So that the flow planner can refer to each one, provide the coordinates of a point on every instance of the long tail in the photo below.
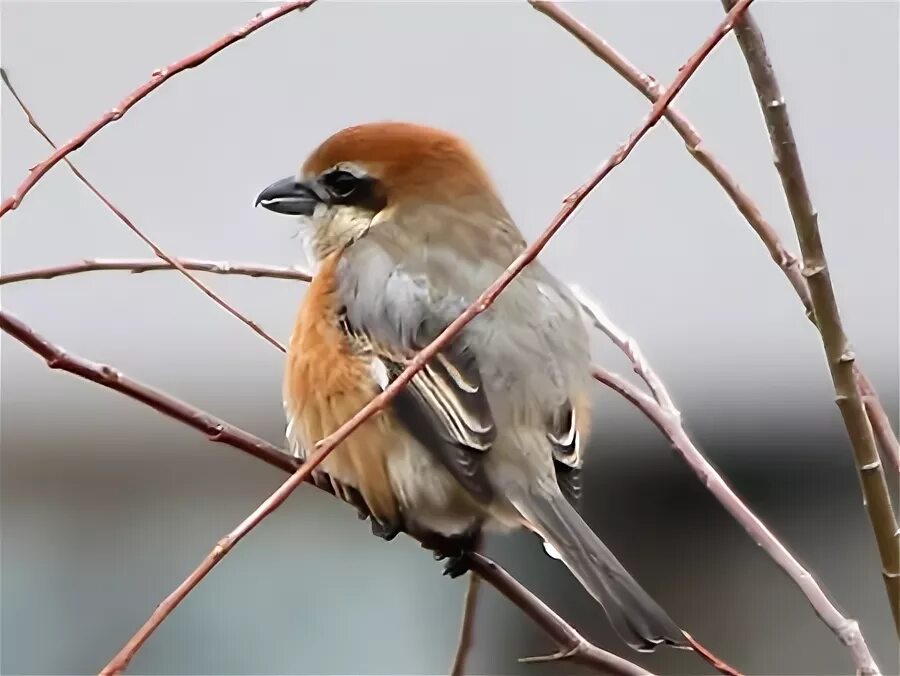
(636, 617)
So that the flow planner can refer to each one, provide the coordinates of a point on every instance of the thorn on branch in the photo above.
(553, 657)
(813, 270)
(847, 356)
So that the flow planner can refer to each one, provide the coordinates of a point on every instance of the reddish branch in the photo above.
(380, 402)
(648, 86)
(216, 429)
(838, 351)
(158, 78)
(138, 265)
(137, 231)
(219, 431)
(573, 646)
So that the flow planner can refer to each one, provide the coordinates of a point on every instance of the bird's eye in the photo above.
(340, 183)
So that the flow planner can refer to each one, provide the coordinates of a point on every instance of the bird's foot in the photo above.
(456, 565)
(455, 550)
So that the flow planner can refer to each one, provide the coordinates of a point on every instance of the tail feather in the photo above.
(635, 616)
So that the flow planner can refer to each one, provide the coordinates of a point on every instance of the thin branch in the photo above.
(838, 352)
(716, 662)
(214, 428)
(378, 403)
(219, 431)
(158, 77)
(137, 231)
(847, 630)
(878, 418)
(467, 624)
(573, 646)
(629, 347)
(666, 416)
(652, 90)
(138, 265)
(648, 86)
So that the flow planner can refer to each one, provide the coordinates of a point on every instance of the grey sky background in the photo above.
(99, 492)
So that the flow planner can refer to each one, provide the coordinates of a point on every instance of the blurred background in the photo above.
(106, 505)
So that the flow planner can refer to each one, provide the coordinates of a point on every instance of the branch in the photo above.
(786, 261)
(663, 413)
(847, 630)
(467, 624)
(838, 352)
(668, 422)
(219, 431)
(878, 418)
(629, 347)
(159, 76)
(137, 231)
(138, 265)
(652, 90)
(573, 646)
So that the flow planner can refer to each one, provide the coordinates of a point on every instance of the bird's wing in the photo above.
(402, 286)
(565, 440)
(444, 406)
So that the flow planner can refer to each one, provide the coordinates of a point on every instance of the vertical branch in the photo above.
(467, 623)
(838, 352)
(467, 626)
(878, 418)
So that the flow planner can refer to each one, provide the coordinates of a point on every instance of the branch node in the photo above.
(221, 547)
(57, 360)
(109, 373)
(869, 466)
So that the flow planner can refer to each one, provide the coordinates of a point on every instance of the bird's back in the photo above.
(404, 287)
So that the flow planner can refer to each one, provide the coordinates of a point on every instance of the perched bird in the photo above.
(406, 229)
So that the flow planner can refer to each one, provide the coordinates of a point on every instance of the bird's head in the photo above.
(365, 175)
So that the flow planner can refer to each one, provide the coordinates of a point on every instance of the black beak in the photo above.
(289, 196)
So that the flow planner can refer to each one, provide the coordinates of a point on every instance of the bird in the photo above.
(406, 228)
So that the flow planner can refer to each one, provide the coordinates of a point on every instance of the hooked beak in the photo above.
(289, 196)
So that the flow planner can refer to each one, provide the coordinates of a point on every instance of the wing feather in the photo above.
(565, 439)
(444, 407)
